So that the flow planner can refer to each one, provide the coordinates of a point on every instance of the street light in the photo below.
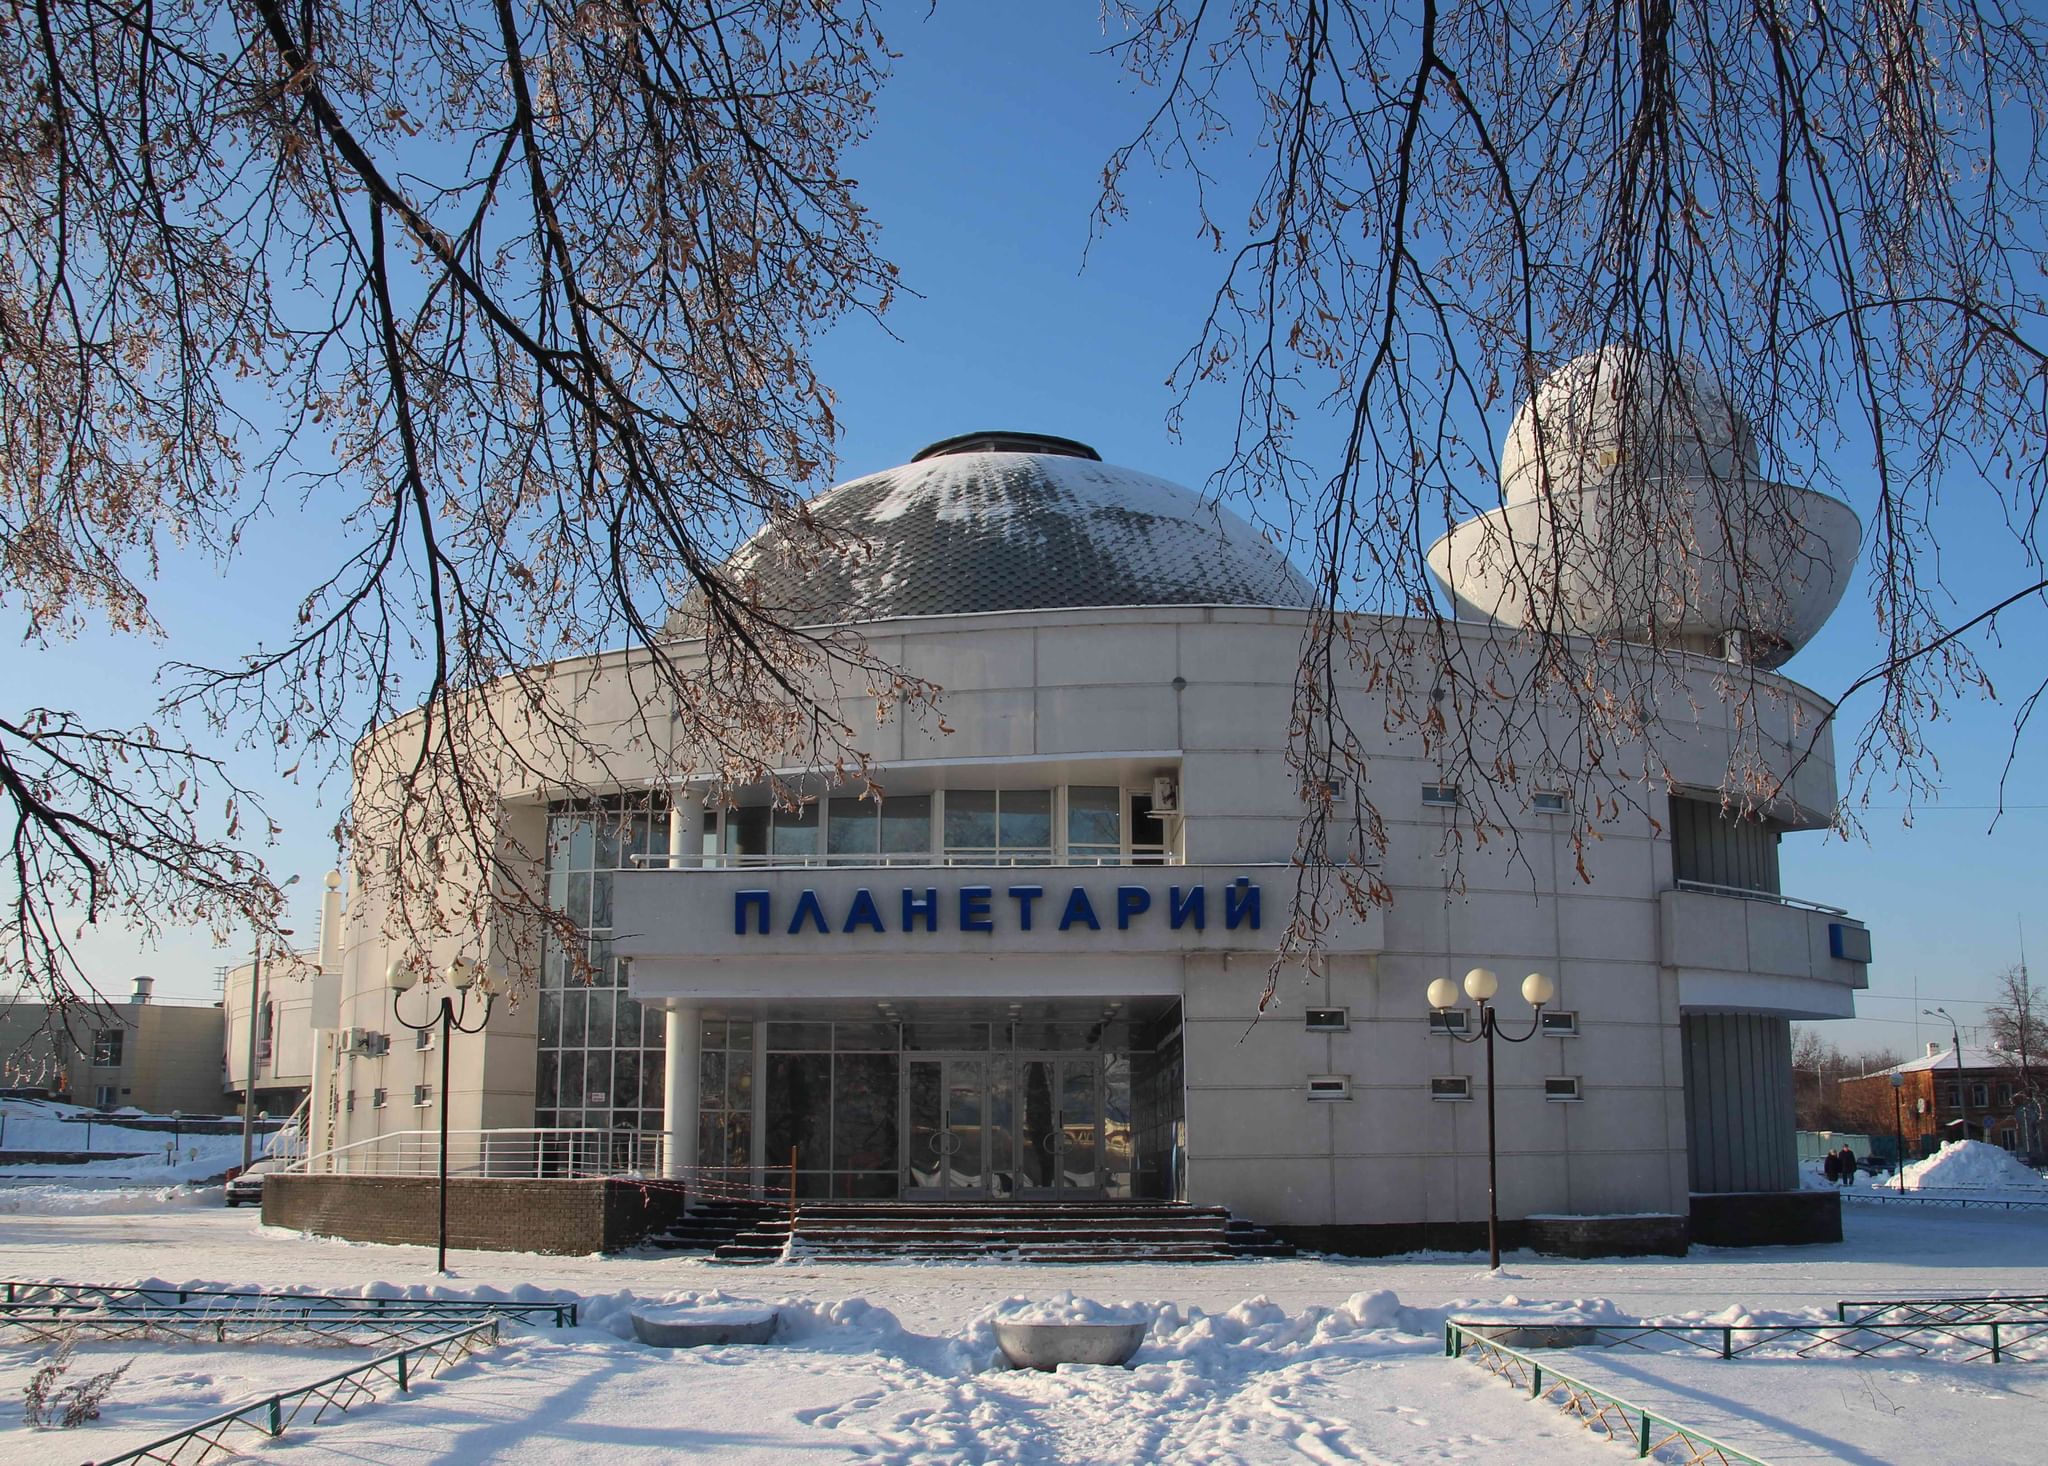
(177, 1134)
(460, 976)
(1962, 1092)
(1480, 986)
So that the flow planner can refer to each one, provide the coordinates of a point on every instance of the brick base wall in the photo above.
(1765, 1218)
(560, 1217)
(1644, 1236)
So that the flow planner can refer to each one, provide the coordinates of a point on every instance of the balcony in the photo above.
(1757, 951)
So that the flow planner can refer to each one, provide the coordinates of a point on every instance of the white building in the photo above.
(1033, 971)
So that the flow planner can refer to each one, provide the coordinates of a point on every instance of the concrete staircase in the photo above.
(1114, 1231)
(707, 1226)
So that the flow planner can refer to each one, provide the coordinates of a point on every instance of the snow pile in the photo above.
(1065, 1308)
(132, 1154)
(67, 1196)
(1972, 1165)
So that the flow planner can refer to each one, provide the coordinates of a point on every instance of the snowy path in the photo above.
(1305, 1377)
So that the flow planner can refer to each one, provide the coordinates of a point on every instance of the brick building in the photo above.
(1986, 1099)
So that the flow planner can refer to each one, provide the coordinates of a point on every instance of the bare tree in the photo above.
(519, 298)
(1755, 222)
(2018, 1020)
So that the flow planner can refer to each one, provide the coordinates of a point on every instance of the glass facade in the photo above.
(599, 1062)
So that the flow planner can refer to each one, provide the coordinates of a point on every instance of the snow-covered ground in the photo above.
(154, 1157)
(1322, 1360)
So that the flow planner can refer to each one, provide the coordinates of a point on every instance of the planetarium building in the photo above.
(1032, 972)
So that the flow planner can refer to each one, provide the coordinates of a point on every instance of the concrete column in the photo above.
(679, 1089)
(757, 1148)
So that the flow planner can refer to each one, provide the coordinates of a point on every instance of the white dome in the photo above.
(1633, 506)
(1012, 521)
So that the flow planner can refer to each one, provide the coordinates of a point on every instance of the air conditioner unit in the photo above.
(1165, 794)
(367, 1042)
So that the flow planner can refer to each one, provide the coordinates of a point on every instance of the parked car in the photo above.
(248, 1185)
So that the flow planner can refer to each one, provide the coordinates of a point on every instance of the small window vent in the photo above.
(1327, 1020)
(1449, 1020)
(1329, 1086)
(1561, 1023)
(1549, 801)
(1562, 1089)
(422, 1095)
(1450, 1087)
(1442, 796)
(377, 1099)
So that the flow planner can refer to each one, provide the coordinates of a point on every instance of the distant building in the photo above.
(295, 995)
(1985, 1099)
(144, 1054)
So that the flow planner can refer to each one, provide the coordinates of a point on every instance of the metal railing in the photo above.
(270, 1416)
(957, 856)
(1643, 1430)
(1943, 1198)
(2004, 1338)
(560, 1154)
(1745, 893)
(32, 1293)
(1953, 1309)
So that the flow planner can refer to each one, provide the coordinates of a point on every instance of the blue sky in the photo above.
(982, 170)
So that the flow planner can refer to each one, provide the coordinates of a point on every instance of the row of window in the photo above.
(1980, 1096)
(972, 826)
(422, 1096)
(1558, 1088)
(1541, 801)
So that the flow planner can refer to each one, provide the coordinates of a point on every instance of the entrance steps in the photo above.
(894, 1231)
(707, 1226)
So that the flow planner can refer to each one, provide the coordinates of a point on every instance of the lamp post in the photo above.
(1480, 986)
(1962, 1092)
(177, 1134)
(460, 976)
(1898, 1134)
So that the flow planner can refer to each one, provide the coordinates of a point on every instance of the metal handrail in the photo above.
(271, 1415)
(1746, 893)
(1909, 1198)
(570, 1152)
(1037, 855)
(1592, 1406)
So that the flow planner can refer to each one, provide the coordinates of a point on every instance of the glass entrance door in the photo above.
(1059, 1130)
(946, 1130)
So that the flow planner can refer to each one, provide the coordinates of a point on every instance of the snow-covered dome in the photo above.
(1001, 521)
(1633, 505)
(1619, 411)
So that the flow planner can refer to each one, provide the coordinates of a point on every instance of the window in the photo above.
(2004, 1095)
(1095, 833)
(861, 831)
(1450, 1087)
(377, 1097)
(1562, 1089)
(1441, 796)
(1329, 1086)
(106, 1096)
(1549, 801)
(422, 1095)
(2010, 1139)
(423, 1038)
(999, 826)
(106, 1049)
(1560, 1023)
(349, 1106)
(1949, 1095)
(1980, 1095)
(1449, 1020)
(1327, 1020)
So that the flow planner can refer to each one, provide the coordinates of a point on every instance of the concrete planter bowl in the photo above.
(1049, 1345)
(692, 1328)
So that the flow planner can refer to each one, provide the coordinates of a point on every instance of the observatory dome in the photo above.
(1633, 506)
(1003, 521)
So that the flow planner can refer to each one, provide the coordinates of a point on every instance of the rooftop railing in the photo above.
(1745, 893)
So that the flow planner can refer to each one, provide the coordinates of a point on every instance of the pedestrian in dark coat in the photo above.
(1845, 1162)
(1831, 1167)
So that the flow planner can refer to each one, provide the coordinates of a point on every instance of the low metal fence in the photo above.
(1957, 1308)
(2016, 1339)
(1600, 1410)
(43, 1292)
(270, 1416)
(1954, 1199)
(219, 1326)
